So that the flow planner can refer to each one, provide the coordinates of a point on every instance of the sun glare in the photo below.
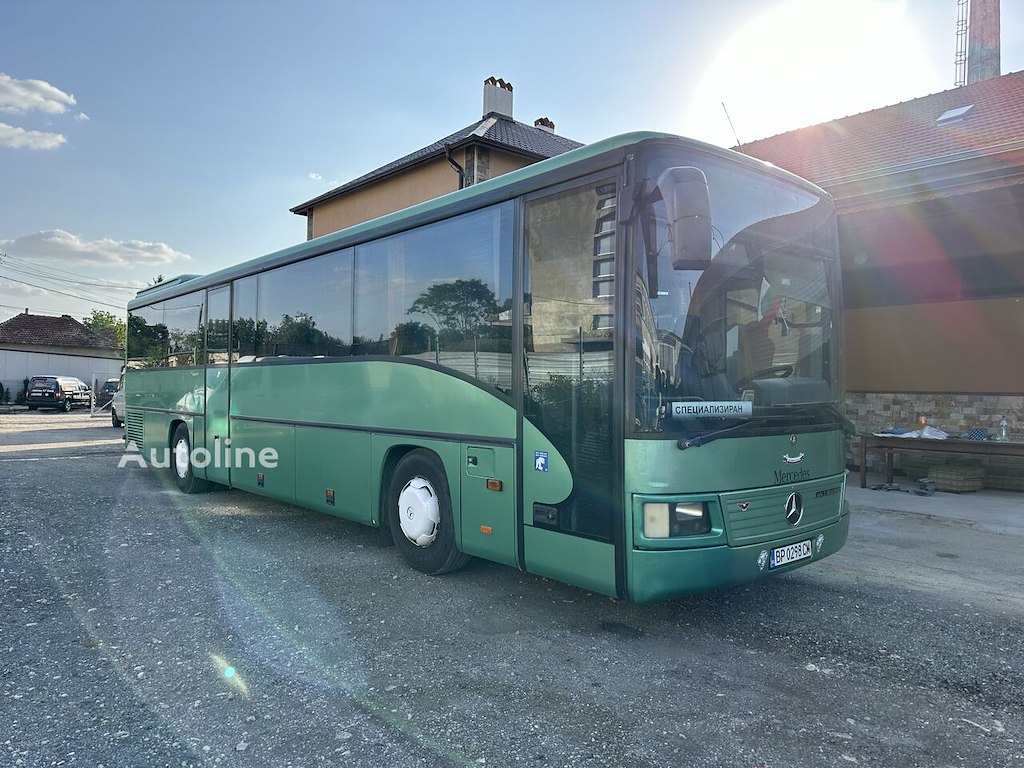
(804, 62)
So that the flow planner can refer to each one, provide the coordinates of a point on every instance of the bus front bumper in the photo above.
(664, 574)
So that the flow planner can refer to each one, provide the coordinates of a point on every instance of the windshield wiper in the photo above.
(704, 439)
(808, 411)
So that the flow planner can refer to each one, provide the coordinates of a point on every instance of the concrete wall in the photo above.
(425, 182)
(503, 163)
(417, 185)
(16, 366)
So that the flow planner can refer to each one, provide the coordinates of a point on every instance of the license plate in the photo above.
(790, 553)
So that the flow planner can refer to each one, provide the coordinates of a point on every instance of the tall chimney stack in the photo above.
(983, 41)
(497, 97)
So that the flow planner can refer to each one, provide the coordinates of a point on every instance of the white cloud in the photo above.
(19, 138)
(20, 96)
(81, 117)
(18, 290)
(57, 245)
(316, 176)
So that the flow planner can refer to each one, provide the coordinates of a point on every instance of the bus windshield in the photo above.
(750, 334)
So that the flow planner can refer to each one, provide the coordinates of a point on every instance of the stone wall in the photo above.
(952, 413)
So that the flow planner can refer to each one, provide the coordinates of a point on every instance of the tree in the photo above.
(106, 324)
(150, 343)
(299, 336)
(412, 338)
(461, 308)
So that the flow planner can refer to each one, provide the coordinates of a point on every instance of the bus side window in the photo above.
(441, 294)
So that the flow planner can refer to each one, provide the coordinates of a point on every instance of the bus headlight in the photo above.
(663, 521)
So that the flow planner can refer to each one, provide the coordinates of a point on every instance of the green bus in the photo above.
(617, 368)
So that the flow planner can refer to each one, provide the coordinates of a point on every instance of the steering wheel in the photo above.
(772, 372)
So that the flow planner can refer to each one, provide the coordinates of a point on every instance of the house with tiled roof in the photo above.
(32, 345)
(493, 145)
(930, 202)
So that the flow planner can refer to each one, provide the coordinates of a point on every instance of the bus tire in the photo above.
(419, 514)
(181, 463)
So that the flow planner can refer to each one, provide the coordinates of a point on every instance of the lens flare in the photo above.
(229, 674)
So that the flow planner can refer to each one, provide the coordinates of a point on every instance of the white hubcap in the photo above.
(181, 458)
(419, 512)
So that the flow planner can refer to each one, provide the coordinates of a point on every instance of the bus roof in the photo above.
(488, 192)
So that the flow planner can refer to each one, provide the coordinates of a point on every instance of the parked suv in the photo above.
(106, 392)
(61, 392)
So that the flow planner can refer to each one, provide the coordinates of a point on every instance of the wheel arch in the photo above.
(172, 427)
(448, 456)
(387, 469)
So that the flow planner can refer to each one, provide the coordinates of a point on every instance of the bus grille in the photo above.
(760, 515)
(133, 428)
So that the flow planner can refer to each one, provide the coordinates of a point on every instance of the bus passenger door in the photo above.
(218, 306)
(570, 486)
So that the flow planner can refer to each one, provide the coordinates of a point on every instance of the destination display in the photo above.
(702, 409)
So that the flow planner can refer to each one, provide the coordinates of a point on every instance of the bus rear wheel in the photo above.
(419, 514)
(181, 463)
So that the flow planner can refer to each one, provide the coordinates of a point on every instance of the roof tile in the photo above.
(902, 133)
(503, 131)
(43, 330)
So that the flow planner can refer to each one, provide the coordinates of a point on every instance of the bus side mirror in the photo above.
(687, 202)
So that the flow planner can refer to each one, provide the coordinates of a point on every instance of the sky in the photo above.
(162, 138)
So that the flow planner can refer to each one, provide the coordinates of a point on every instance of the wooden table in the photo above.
(950, 445)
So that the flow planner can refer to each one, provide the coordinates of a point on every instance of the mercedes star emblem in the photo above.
(794, 508)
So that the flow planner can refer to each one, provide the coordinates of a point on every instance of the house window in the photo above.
(604, 243)
(604, 289)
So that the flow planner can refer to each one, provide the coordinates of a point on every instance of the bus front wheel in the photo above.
(419, 514)
(181, 463)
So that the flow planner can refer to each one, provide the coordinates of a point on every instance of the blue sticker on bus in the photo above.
(540, 461)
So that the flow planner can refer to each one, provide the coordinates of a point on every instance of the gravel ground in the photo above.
(141, 627)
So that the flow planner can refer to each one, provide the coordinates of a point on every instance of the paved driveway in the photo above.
(140, 627)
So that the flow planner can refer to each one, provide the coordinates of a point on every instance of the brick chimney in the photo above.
(497, 97)
(983, 41)
(544, 124)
